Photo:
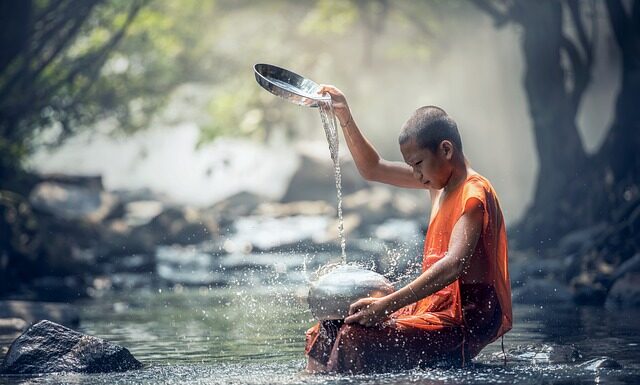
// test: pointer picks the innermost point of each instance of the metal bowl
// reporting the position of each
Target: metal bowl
(332, 294)
(289, 85)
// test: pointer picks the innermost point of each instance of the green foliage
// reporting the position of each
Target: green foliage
(49, 78)
(333, 16)
(86, 61)
(236, 111)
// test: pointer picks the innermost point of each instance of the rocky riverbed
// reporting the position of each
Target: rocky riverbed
(68, 238)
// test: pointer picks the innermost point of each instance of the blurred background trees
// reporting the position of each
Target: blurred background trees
(71, 66)
(574, 188)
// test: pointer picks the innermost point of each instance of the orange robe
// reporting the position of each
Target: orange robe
(448, 324)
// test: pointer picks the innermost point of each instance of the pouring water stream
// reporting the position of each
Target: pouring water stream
(328, 118)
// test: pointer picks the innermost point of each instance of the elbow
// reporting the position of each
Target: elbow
(459, 267)
(368, 171)
(367, 174)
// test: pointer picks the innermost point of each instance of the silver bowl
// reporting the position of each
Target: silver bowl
(332, 294)
(289, 85)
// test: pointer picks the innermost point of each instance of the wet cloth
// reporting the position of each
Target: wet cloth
(392, 346)
(453, 324)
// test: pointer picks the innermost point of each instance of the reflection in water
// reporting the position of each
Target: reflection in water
(255, 335)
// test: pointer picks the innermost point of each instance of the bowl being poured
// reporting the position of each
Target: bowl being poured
(332, 294)
(289, 85)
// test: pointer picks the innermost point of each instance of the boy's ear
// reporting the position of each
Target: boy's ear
(446, 149)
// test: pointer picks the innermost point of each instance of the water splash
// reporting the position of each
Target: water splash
(328, 118)
(329, 267)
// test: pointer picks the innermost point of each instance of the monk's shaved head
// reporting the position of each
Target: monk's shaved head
(430, 125)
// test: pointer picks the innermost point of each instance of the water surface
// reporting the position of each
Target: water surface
(255, 335)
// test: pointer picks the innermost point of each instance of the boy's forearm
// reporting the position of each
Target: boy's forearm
(436, 278)
(369, 163)
(364, 154)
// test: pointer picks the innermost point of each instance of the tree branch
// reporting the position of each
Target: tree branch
(415, 20)
(581, 72)
(635, 17)
(49, 30)
(43, 15)
(587, 45)
(14, 30)
(63, 34)
(619, 22)
(500, 18)
(88, 63)
(64, 42)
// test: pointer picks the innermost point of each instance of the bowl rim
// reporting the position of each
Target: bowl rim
(299, 94)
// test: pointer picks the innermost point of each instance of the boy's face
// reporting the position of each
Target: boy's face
(432, 169)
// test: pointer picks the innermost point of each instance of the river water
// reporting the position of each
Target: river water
(254, 334)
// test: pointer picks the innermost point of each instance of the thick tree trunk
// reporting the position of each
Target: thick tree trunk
(15, 19)
(574, 191)
(561, 155)
(620, 151)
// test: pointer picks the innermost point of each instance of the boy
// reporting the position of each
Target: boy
(462, 300)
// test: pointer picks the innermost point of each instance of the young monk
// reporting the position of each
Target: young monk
(462, 300)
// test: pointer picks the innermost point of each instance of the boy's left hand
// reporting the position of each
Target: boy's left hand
(367, 312)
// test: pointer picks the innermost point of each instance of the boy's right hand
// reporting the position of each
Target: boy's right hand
(340, 106)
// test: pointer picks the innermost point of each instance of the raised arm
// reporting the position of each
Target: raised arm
(369, 163)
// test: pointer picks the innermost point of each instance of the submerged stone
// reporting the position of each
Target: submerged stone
(625, 292)
(73, 202)
(600, 363)
(543, 353)
(47, 347)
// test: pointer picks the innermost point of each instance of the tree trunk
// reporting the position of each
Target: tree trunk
(561, 155)
(574, 191)
(620, 150)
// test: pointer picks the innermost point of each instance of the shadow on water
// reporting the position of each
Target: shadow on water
(255, 335)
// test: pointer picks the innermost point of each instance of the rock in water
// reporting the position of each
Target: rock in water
(332, 294)
(600, 363)
(47, 347)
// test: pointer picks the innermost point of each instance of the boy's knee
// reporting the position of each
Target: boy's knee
(352, 334)
(314, 366)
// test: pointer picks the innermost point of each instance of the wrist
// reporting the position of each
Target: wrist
(344, 123)
(389, 304)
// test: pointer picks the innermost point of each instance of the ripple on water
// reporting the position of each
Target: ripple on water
(255, 335)
(291, 373)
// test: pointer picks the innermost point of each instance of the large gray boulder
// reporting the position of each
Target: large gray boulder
(33, 312)
(625, 292)
(71, 202)
(314, 180)
(176, 225)
(47, 347)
